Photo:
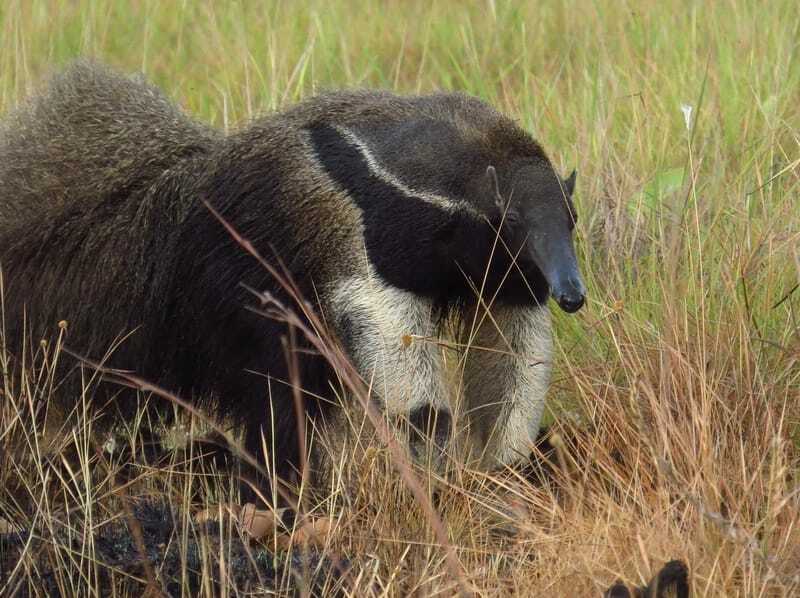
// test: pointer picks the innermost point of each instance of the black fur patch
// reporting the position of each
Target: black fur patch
(672, 580)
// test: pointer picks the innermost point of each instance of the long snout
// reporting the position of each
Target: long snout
(556, 259)
(569, 292)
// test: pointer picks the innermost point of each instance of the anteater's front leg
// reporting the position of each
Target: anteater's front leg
(389, 334)
(506, 365)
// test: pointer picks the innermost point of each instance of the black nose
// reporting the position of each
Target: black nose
(571, 302)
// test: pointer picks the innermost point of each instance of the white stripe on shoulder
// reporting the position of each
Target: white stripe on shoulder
(440, 201)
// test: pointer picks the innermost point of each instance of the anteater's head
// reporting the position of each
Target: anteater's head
(456, 198)
(536, 221)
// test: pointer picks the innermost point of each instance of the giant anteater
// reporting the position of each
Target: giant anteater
(389, 212)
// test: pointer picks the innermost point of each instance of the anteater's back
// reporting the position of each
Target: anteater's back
(90, 136)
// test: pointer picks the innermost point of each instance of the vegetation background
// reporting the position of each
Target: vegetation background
(676, 400)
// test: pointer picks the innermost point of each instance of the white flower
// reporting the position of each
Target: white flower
(687, 116)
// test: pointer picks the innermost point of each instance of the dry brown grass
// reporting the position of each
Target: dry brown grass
(682, 449)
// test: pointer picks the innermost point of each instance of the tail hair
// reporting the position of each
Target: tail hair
(90, 135)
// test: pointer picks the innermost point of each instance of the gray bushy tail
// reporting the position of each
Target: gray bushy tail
(91, 135)
(92, 173)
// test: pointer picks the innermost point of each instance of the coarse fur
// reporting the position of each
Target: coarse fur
(389, 212)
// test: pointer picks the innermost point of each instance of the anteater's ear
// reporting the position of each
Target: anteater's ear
(569, 182)
(491, 173)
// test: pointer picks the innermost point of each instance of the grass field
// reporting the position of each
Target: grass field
(675, 405)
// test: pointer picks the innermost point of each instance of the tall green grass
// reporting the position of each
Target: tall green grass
(677, 389)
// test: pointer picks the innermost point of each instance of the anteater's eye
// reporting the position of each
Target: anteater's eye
(511, 218)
